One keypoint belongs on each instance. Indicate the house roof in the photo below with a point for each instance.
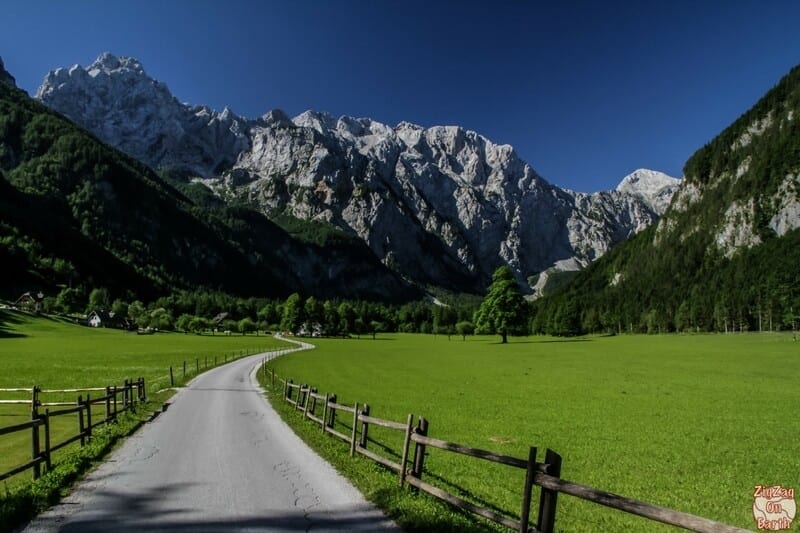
(30, 297)
(102, 314)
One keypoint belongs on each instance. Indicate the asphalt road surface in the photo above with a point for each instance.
(219, 459)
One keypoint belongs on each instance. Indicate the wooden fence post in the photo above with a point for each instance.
(314, 401)
(184, 369)
(171, 378)
(35, 400)
(305, 395)
(406, 442)
(108, 404)
(332, 412)
(131, 402)
(527, 491)
(115, 401)
(355, 430)
(364, 427)
(35, 449)
(35, 430)
(215, 360)
(419, 449)
(299, 396)
(548, 498)
(47, 439)
(81, 426)
(125, 395)
(89, 417)
(324, 413)
(197, 366)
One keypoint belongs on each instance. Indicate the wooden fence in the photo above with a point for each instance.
(546, 475)
(113, 401)
(190, 370)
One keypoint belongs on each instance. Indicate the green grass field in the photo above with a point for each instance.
(56, 354)
(687, 422)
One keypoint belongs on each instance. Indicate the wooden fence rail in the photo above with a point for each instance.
(128, 395)
(116, 399)
(545, 475)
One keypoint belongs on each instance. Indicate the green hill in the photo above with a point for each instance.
(724, 257)
(75, 212)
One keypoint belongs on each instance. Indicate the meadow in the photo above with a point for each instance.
(54, 353)
(689, 422)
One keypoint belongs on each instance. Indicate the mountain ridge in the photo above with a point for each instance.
(123, 227)
(442, 205)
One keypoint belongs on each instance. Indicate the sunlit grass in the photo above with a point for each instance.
(54, 353)
(687, 422)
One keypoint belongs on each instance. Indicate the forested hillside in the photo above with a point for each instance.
(724, 257)
(76, 213)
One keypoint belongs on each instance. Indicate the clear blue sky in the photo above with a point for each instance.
(585, 91)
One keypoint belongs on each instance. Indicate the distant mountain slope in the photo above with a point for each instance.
(5, 77)
(443, 206)
(75, 211)
(725, 255)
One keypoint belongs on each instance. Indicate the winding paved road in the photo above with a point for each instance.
(219, 459)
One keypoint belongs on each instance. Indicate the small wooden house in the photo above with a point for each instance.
(101, 318)
(30, 302)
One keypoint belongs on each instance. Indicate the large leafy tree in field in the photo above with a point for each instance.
(503, 310)
(293, 313)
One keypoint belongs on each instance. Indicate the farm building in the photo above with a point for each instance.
(101, 318)
(30, 302)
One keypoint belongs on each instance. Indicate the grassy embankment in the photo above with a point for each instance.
(56, 354)
(688, 422)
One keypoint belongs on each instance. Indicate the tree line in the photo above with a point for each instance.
(204, 311)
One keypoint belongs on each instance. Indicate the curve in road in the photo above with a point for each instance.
(219, 459)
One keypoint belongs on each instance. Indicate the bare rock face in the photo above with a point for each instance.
(655, 188)
(5, 77)
(437, 204)
(116, 100)
(442, 206)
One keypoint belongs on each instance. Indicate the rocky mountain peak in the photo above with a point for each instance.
(107, 63)
(5, 77)
(654, 187)
(277, 117)
(120, 103)
(316, 120)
